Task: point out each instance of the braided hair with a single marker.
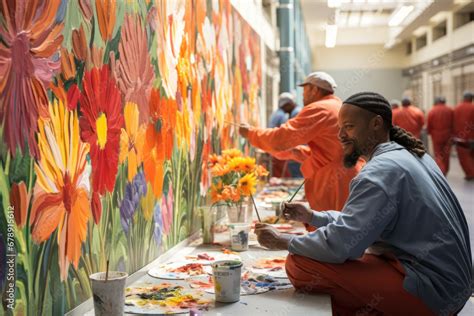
(378, 105)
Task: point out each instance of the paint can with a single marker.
(227, 274)
(109, 297)
(239, 236)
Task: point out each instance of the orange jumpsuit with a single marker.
(464, 129)
(409, 118)
(440, 127)
(371, 285)
(327, 180)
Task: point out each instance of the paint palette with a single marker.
(245, 289)
(207, 258)
(164, 299)
(274, 267)
(207, 284)
(179, 270)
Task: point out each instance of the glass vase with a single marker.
(208, 221)
(239, 212)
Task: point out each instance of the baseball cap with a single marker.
(321, 80)
(285, 98)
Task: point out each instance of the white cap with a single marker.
(285, 98)
(321, 80)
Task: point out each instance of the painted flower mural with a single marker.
(109, 114)
(101, 124)
(134, 71)
(31, 37)
(61, 193)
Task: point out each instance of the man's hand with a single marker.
(244, 130)
(270, 238)
(296, 212)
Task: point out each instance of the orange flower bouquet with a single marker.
(234, 179)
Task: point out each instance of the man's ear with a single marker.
(377, 122)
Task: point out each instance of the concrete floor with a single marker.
(464, 191)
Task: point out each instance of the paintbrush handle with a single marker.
(291, 199)
(296, 192)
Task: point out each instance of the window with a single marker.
(464, 15)
(421, 41)
(440, 30)
(409, 48)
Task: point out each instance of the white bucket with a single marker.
(239, 236)
(227, 275)
(109, 296)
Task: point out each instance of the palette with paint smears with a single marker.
(164, 299)
(207, 284)
(274, 267)
(179, 270)
(207, 258)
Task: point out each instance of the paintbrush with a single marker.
(291, 199)
(255, 205)
(232, 123)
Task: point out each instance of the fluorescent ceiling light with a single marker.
(358, 1)
(334, 3)
(400, 14)
(331, 35)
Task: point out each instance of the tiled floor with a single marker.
(464, 191)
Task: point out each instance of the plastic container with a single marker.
(239, 236)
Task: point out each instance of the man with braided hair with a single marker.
(400, 246)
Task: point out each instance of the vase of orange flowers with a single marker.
(234, 181)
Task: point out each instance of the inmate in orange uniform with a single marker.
(440, 127)
(327, 180)
(409, 118)
(464, 129)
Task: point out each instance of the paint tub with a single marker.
(227, 274)
(239, 236)
(109, 296)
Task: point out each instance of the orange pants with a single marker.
(441, 152)
(466, 159)
(371, 285)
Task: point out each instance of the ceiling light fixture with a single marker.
(400, 14)
(331, 35)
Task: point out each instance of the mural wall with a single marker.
(109, 111)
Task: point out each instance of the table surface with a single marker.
(276, 302)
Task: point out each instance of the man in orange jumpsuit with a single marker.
(440, 127)
(464, 134)
(409, 117)
(327, 180)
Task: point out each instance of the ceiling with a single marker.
(362, 22)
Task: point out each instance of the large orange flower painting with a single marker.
(61, 193)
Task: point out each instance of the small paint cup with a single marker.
(109, 296)
(227, 275)
(239, 236)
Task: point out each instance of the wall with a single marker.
(362, 68)
(109, 112)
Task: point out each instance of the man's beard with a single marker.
(350, 160)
